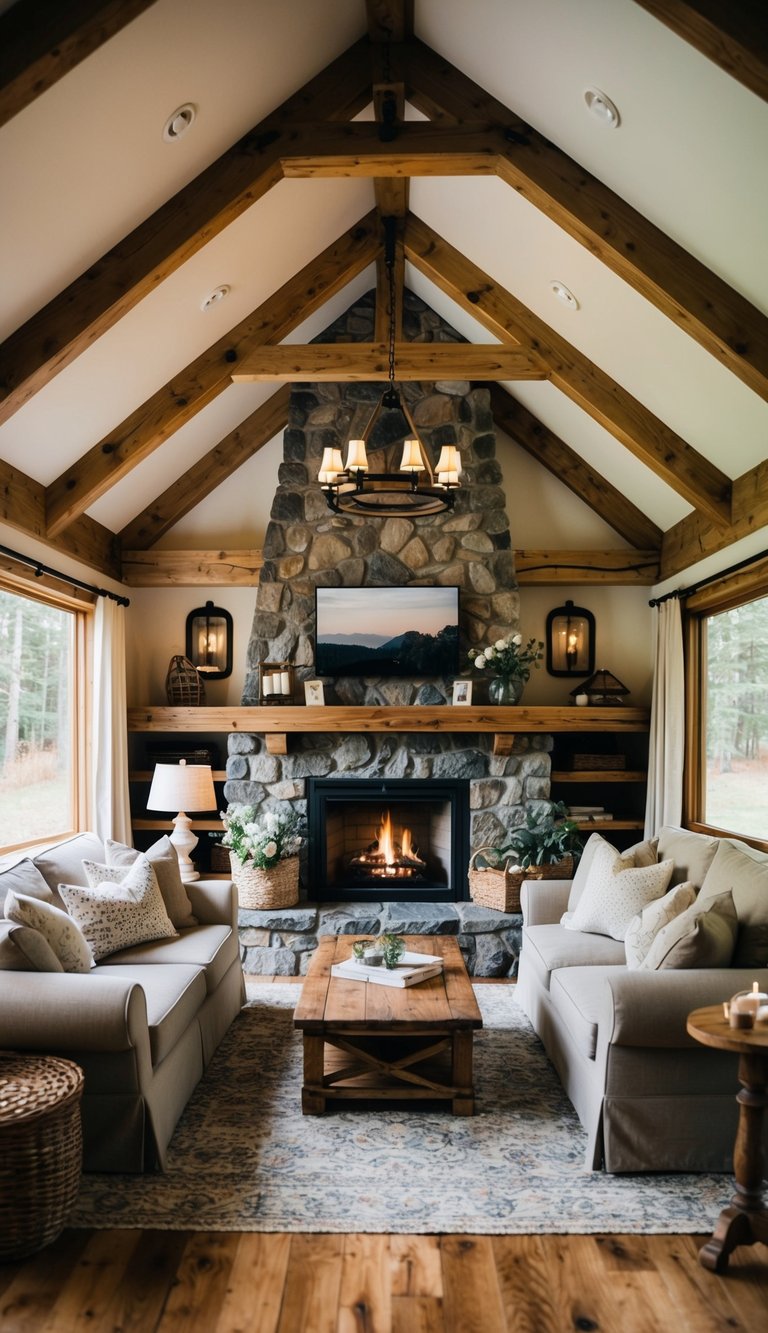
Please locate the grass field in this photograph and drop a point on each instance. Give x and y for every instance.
(739, 800)
(39, 810)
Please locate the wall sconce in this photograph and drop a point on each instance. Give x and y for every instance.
(209, 641)
(570, 640)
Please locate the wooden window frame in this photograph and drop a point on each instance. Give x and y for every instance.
(731, 591)
(23, 582)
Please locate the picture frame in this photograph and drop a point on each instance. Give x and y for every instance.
(314, 694)
(462, 692)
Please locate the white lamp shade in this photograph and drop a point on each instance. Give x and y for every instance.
(411, 460)
(182, 786)
(448, 461)
(357, 458)
(330, 466)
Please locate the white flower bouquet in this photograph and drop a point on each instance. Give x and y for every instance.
(508, 658)
(261, 840)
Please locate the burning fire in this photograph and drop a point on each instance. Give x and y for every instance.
(388, 858)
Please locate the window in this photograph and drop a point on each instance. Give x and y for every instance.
(41, 712)
(727, 779)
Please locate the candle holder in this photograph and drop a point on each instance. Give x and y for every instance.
(275, 683)
(744, 1007)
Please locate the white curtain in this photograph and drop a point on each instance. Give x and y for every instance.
(667, 743)
(110, 796)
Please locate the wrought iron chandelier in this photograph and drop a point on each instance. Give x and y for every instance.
(350, 488)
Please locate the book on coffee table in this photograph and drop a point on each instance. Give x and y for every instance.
(412, 968)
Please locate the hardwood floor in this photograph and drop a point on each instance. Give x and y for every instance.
(124, 1281)
(234, 1282)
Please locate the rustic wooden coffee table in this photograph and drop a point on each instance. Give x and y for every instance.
(366, 1042)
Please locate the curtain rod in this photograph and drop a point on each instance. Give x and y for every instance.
(712, 578)
(40, 568)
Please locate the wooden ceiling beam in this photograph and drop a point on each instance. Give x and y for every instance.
(419, 148)
(22, 506)
(90, 305)
(695, 537)
(389, 20)
(214, 468)
(649, 439)
(733, 35)
(42, 40)
(345, 362)
(605, 500)
(209, 375)
(191, 569)
(694, 298)
(607, 568)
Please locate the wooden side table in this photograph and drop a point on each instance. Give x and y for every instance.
(745, 1220)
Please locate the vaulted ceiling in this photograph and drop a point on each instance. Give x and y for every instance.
(468, 123)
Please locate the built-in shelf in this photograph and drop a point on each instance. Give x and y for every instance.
(146, 774)
(197, 825)
(600, 775)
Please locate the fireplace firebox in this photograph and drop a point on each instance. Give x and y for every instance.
(387, 839)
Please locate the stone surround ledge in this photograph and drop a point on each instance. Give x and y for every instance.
(280, 942)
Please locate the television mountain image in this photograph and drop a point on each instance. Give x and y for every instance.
(408, 654)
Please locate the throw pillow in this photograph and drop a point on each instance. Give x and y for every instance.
(119, 908)
(641, 854)
(643, 929)
(744, 870)
(62, 934)
(692, 853)
(165, 863)
(25, 950)
(615, 893)
(24, 878)
(702, 936)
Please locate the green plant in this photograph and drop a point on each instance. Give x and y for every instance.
(264, 839)
(543, 839)
(392, 948)
(509, 658)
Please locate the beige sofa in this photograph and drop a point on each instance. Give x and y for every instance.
(143, 1023)
(649, 1097)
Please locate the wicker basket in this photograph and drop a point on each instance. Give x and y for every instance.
(499, 887)
(184, 685)
(41, 1149)
(257, 889)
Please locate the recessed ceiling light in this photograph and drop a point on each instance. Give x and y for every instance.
(177, 124)
(602, 108)
(214, 297)
(564, 294)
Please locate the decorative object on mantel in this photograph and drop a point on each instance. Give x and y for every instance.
(542, 848)
(462, 692)
(350, 488)
(184, 686)
(264, 856)
(275, 683)
(314, 694)
(183, 787)
(570, 639)
(603, 688)
(510, 661)
(209, 641)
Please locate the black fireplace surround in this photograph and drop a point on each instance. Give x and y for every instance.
(352, 858)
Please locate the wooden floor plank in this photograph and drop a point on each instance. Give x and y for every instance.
(140, 1297)
(90, 1290)
(692, 1289)
(312, 1285)
(416, 1266)
(418, 1314)
(34, 1284)
(365, 1296)
(472, 1301)
(202, 1280)
(523, 1272)
(254, 1292)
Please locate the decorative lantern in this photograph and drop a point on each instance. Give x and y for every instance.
(209, 641)
(602, 688)
(570, 641)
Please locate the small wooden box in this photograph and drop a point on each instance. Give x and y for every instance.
(598, 761)
(275, 683)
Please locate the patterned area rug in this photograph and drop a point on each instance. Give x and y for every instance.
(244, 1158)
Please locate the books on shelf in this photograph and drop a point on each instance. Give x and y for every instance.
(596, 817)
(412, 968)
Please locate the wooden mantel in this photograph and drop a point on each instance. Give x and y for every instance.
(278, 722)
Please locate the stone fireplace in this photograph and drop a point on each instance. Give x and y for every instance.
(307, 546)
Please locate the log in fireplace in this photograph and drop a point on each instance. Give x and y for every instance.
(387, 839)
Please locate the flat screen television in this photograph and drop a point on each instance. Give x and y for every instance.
(409, 631)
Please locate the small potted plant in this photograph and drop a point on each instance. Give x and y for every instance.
(544, 847)
(264, 855)
(392, 949)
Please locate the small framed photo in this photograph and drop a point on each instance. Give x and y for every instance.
(313, 692)
(462, 691)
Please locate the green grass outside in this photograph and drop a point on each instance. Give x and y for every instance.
(40, 810)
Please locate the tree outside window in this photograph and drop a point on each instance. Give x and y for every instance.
(735, 701)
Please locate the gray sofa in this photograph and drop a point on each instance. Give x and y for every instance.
(143, 1023)
(649, 1097)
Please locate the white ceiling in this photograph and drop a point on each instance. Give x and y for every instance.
(86, 162)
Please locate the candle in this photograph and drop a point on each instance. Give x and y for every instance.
(582, 700)
(749, 1001)
(762, 1014)
(268, 684)
(285, 682)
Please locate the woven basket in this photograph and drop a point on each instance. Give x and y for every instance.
(257, 889)
(41, 1149)
(499, 888)
(184, 685)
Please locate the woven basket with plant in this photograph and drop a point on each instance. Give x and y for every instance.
(264, 855)
(544, 847)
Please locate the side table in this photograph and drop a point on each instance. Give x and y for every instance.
(41, 1149)
(745, 1220)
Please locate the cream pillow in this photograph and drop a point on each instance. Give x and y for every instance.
(643, 929)
(641, 854)
(615, 893)
(25, 950)
(118, 908)
(702, 936)
(60, 932)
(744, 871)
(165, 863)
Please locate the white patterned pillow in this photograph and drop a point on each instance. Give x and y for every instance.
(61, 933)
(615, 893)
(643, 929)
(119, 908)
(702, 936)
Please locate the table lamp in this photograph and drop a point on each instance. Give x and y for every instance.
(183, 787)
